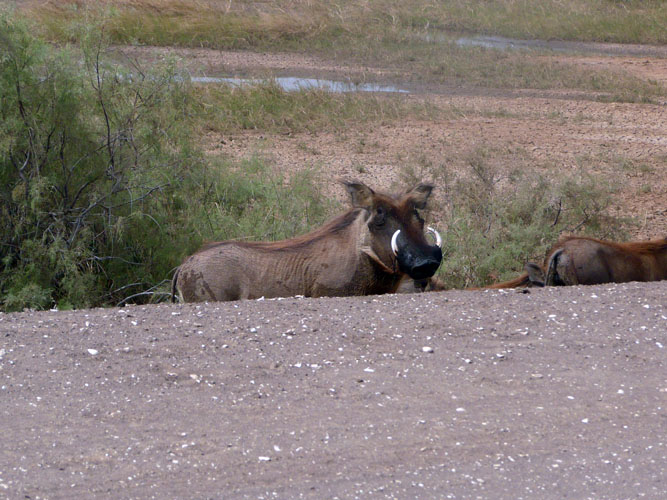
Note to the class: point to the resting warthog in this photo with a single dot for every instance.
(587, 261)
(577, 260)
(367, 250)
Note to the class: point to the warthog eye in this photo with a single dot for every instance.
(380, 216)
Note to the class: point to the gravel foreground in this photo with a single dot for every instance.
(555, 393)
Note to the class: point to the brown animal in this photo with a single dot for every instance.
(577, 260)
(534, 276)
(587, 261)
(366, 250)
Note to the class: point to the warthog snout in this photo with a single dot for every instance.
(417, 261)
(425, 268)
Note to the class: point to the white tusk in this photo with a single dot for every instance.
(394, 247)
(438, 239)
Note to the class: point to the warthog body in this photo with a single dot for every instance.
(588, 261)
(367, 250)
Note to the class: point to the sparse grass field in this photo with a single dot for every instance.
(413, 38)
(316, 24)
(521, 146)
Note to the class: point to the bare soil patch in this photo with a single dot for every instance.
(625, 143)
(556, 393)
(552, 132)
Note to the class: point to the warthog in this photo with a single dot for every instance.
(587, 261)
(367, 250)
(577, 260)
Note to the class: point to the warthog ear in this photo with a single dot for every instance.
(419, 195)
(360, 194)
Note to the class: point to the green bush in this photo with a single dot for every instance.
(496, 224)
(101, 191)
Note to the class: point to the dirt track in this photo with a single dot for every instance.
(556, 393)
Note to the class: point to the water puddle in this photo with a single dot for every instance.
(292, 84)
(502, 43)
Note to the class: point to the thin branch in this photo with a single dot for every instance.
(111, 257)
(126, 299)
(141, 198)
(560, 206)
(146, 292)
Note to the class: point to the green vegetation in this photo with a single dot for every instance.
(101, 191)
(266, 107)
(414, 39)
(104, 189)
(493, 68)
(495, 223)
(297, 24)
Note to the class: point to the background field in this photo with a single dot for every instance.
(523, 145)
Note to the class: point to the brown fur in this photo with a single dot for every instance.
(579, 260)
(349, 255)
(589, 261)
(521, 281)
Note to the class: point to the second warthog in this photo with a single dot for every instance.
(579, 260)
(367, 250)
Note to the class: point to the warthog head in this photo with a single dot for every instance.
(396, 238)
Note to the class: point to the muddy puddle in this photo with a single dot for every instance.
(294, 84)
(502, 43)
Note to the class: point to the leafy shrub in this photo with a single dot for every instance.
(101, 191)
(496, 224)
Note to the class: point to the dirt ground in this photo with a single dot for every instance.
(552, 132)
(556, 393)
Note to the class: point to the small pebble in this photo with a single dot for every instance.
(427, 349)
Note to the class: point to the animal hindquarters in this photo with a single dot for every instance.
(211, 275)
(560, 270)
(586, 262)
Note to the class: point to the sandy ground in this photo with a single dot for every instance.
(557, 393)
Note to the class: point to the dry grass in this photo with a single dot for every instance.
(388, 33)
(266, 107)
(222, 24)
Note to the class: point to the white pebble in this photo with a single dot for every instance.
(427, 349)
(93, 352)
